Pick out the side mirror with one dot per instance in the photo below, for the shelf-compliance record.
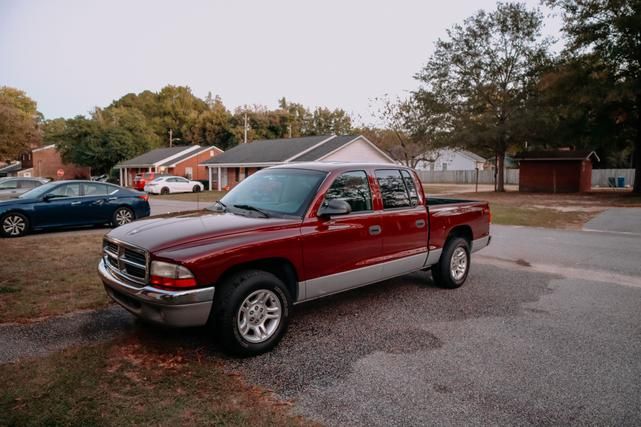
(48, 197)
(334, 207)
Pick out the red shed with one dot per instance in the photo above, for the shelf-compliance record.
(555, 171)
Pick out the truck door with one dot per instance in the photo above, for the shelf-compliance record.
(404, 222)
(343, 251)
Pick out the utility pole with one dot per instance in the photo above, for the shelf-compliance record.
(245, 128)
(171, 139)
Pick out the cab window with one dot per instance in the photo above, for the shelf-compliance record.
(393, 189)
(353, 188)
(411, 187)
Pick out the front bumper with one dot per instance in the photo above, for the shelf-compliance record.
(171, 308)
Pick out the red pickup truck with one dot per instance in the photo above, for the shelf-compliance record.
(285, 235)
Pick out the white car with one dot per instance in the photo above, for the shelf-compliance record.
(173, 184)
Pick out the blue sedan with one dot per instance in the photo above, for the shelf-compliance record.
(62, 204)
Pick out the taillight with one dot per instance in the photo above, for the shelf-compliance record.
(171, 276)
(145, 197)
(489, 214)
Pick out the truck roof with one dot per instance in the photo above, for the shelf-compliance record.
(338, 166)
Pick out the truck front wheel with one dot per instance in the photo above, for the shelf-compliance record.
(454, 265)
(251, 312)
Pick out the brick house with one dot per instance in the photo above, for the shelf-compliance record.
(235, 164)
(560, 171)
(180, 161)
(47, 162)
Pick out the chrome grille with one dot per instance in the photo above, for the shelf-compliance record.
(126, 261)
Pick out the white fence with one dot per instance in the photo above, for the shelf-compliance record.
(466, 177)
(600, 176)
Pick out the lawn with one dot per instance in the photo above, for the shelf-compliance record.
(50, 274)
(551, 210)
(134, 381)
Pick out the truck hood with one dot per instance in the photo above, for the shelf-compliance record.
(156, 234)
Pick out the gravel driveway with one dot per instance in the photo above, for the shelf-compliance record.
(515, 345)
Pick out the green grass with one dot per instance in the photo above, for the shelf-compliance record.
(133, 382)
(537, 217)
(45, 275)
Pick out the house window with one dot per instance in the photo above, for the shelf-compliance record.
(188, 173)
(444, 167)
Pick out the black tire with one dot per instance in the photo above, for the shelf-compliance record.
(444, 273)
(228, 303)
(196, 189)
(122, 216)
(14, 224)
(164, 191)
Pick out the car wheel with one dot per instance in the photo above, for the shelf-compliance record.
(251, 312)
(454, 265)
(196, 189)
(14, 225)
(123, 216)
(164, 191)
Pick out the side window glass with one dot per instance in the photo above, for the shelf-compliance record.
(393, 189)
(411, 187)
(95, 190)
(10, 184)
(353, 188)
(66, 190)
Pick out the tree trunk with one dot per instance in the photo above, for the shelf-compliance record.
(500, 182)
(636, 159)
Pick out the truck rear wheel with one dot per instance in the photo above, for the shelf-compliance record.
(251, 312)
(454, 265)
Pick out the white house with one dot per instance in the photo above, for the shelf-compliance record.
(237, 163)
(449, 159)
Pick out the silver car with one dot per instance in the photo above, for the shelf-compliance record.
(12, 187)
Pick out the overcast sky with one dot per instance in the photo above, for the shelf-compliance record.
(73, 55)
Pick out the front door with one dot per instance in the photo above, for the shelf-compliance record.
(60, 208)
(343, 251)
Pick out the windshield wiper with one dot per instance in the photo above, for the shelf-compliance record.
(252, 208)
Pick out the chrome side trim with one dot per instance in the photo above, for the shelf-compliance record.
(346, 280)
(479, 244)
(433, 257)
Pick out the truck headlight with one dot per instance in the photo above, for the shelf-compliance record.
(171, 276)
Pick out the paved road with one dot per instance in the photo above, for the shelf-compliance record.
(622, 220)
(161, 206)
(545, 331)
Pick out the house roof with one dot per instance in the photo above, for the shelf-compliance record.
(472, 156)
(556, 155)
(158, 156)
(326, 148)
(172, 162)
(269, 150)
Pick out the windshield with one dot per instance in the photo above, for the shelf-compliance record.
(38, 191)
(277, 192)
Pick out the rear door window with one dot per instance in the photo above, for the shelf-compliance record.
(393, 189)
(353, 188)
(411, 187)
(10, 184)
(95, 189)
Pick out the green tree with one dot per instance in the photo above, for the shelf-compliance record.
(611, 30)
(483, 72)
(19, 123)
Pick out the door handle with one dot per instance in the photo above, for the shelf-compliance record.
(75, 203)
(420, 223)
(112, 198)
(375, 230)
